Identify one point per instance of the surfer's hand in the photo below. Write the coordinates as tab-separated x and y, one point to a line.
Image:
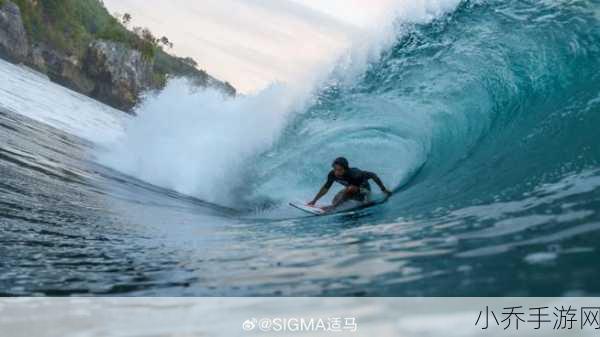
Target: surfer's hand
311	203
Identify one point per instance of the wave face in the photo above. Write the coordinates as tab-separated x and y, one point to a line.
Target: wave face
492	110
485	119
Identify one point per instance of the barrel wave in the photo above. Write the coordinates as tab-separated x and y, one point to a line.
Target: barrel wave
484	121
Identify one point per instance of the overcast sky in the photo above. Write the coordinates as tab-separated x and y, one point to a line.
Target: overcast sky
252	43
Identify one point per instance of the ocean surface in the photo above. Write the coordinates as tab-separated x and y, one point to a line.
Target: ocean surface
485	118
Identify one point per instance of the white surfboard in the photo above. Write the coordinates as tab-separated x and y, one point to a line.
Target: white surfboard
306	208
349	205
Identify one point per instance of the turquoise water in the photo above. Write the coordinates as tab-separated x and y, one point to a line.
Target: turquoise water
486	120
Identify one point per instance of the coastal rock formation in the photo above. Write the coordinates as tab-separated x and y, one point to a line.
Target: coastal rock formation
14	45
60	68
121	74
108	70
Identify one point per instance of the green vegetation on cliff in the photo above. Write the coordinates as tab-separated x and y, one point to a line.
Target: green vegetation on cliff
70	25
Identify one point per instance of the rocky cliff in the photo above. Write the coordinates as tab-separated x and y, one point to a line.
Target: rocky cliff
109	71
13	38
119	73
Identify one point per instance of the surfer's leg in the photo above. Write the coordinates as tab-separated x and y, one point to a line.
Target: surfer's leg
349	192
339	197
365	195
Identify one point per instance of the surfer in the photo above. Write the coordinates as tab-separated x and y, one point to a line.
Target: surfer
356	184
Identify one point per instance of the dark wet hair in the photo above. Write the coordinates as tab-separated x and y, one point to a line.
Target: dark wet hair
343	162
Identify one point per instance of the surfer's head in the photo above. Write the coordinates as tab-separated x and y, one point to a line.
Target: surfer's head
340	166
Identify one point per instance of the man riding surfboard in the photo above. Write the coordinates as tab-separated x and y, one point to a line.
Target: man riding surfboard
356	184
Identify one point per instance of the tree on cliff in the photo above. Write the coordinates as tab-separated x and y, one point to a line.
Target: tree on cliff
190	61
166	42
126	19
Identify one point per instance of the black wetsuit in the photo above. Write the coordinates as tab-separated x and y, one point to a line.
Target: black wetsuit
352	177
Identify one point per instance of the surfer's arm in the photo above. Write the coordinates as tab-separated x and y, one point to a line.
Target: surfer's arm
323	189
321	193
378	181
